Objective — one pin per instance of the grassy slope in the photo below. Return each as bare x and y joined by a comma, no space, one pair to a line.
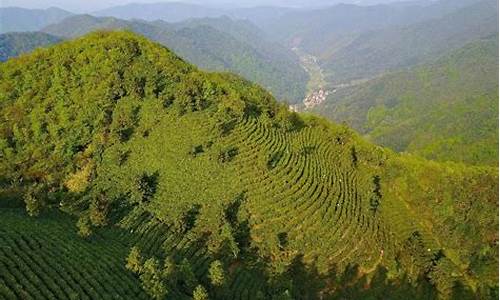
444,111
207,166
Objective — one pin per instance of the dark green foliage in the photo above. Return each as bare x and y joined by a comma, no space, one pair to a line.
44,258
15,43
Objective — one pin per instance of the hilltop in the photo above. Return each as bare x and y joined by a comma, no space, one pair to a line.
216,44
210,187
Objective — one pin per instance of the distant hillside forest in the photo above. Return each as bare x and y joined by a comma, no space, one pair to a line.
16,43
445,110
186,184
217,44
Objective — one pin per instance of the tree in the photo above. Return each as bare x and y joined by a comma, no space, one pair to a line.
84,226
200,293
134,260
186,274
33,203
169,268
152,280
216,273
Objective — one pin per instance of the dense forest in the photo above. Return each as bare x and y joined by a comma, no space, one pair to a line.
355,43
444,110
215,44
15,43
184,184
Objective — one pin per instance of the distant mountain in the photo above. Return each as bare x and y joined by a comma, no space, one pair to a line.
376,52
447,110
213,44
21,19
14,43
170,11
321,31
178,12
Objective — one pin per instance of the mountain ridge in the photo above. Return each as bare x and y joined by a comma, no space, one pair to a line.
204,43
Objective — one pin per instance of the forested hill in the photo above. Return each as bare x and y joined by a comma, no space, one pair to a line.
394,48
355,43
15,43
445,110
186,184
218,44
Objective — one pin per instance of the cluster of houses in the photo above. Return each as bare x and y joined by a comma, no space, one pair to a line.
315,98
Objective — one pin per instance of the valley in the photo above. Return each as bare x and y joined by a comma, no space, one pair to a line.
316,86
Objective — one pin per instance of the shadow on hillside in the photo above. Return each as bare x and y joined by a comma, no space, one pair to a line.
249,275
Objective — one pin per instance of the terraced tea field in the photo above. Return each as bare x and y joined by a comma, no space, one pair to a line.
45,259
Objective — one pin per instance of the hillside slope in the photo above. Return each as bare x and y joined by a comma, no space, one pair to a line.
376,52
212,44
322,31
222,190
447,110
15,43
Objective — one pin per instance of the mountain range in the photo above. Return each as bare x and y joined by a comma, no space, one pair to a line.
444,110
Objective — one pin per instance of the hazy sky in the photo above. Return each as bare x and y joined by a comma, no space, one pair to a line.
92,5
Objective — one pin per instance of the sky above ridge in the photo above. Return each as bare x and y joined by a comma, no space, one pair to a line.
93,5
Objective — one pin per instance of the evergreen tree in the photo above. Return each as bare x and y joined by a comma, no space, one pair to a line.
200,293
134,260
216,273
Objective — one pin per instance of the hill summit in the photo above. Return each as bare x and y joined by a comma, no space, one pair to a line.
214,189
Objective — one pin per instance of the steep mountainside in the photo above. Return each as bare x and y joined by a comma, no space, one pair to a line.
222,192
213,44
395,48
21,19
323,31
447,110
15,43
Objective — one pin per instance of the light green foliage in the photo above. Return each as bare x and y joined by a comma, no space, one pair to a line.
218,44
33,201
134,260
152,280
216,273
84,226
445,111
200,293
197,167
